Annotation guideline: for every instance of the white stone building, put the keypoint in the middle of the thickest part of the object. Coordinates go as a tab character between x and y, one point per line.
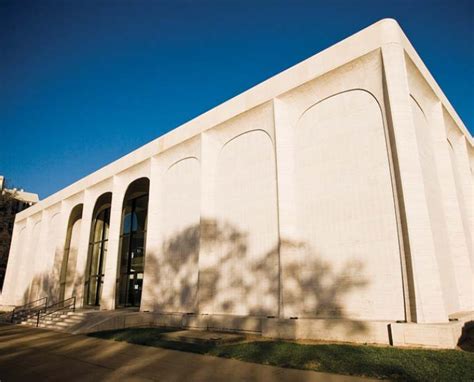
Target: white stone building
339	192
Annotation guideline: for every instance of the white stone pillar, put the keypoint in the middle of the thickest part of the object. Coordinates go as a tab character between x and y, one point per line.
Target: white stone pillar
289	238
39	259
82	254
457	241
418	234
66	208
24	265
150	292
107	300
460	148
209	153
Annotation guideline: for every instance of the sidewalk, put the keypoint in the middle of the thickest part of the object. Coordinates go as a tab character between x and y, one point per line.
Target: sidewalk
30	354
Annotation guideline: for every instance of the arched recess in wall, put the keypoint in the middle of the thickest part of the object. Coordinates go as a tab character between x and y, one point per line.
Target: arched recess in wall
28	251
349	266
132	244
53	259
34	267
71	247
13	271
461	199
177	273
98	243
433	197
243	277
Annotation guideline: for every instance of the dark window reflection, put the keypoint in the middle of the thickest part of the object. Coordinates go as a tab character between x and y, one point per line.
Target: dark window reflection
98	250
132	244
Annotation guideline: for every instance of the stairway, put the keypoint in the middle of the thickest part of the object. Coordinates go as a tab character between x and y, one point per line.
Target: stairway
61	321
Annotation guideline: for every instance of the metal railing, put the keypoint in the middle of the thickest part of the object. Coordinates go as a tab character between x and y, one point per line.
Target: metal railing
29	309
67	304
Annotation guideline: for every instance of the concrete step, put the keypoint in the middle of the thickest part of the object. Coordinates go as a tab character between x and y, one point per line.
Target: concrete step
59	322
51	328
62	320
59	319
71	321
202	337
58	325
29	321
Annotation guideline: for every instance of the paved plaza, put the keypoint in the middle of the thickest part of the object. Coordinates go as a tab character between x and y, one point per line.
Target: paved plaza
30	354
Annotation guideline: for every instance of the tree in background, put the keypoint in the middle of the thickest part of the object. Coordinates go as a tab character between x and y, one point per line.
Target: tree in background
12	201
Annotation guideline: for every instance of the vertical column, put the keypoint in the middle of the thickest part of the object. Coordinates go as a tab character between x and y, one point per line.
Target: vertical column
24	265
151	279
457	242
111	262
289	238
39	259
43	258
52	220
208	224
82	253
66	208
418	234
460	147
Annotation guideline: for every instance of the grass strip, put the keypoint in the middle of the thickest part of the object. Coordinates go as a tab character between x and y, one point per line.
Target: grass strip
361	360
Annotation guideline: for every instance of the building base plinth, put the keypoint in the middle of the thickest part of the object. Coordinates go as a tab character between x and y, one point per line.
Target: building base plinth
442	336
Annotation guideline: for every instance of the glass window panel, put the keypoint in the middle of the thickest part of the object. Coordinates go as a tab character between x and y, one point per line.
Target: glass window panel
97	253
104	256
137	290
141	205
106	223
123	284
137	252
95	258
99	226
137	264
99	291
134	222
131	292
124	254
132	250
92	291
127	219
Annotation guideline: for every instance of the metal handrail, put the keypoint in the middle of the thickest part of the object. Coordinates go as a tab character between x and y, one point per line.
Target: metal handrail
23	310
64	304
22	307
27	313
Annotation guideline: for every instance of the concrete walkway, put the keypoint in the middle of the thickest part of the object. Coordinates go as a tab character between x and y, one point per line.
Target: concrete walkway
30	354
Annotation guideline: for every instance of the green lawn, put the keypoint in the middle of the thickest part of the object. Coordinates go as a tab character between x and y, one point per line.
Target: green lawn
371	361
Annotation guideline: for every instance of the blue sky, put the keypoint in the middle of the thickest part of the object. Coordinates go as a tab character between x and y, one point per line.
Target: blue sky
83	83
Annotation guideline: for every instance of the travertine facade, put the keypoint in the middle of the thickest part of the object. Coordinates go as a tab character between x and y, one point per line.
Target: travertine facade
341	188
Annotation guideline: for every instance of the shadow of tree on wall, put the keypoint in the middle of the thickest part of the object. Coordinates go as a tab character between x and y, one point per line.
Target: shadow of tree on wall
178	286
182	254
223	280
232	282
314	288
47	284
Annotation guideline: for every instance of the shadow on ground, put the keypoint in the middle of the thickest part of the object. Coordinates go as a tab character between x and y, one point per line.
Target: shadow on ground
466	341
370	361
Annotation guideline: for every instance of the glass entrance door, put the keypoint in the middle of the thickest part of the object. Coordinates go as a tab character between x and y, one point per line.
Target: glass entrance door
132	251
97	254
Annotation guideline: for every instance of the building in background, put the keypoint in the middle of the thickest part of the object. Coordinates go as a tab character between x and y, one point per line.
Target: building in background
333	201
12	201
